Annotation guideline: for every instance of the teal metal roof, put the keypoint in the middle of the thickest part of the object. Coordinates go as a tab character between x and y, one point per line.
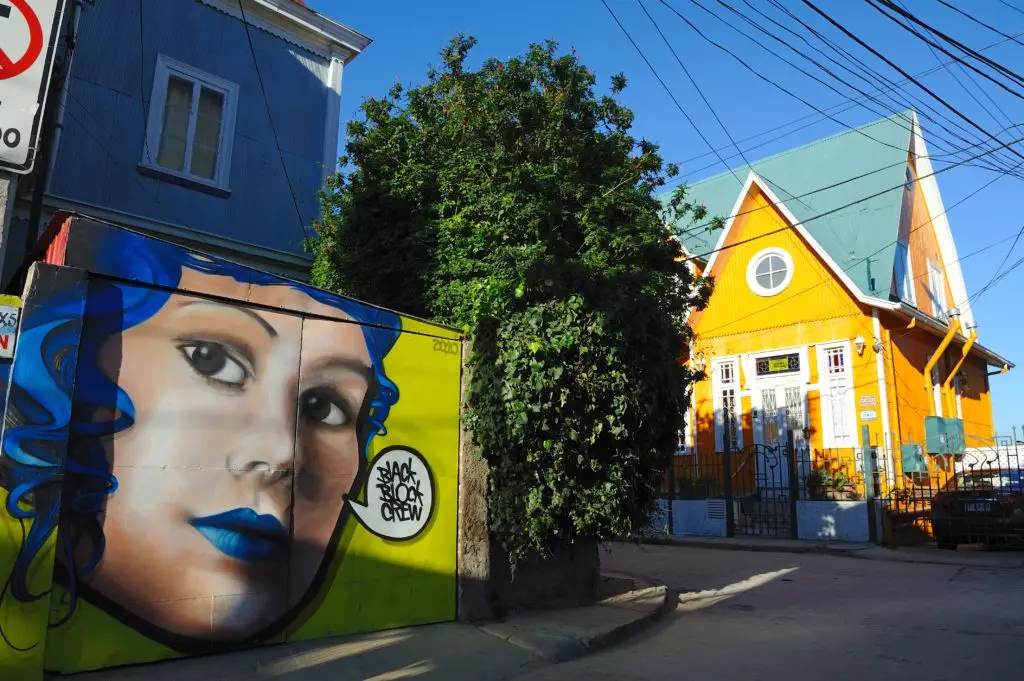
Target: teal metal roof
861	239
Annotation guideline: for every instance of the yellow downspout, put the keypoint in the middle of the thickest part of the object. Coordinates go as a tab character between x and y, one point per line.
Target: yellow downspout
953	329
952	374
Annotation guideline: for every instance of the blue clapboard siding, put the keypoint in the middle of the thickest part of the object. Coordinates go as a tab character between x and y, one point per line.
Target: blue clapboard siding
109	90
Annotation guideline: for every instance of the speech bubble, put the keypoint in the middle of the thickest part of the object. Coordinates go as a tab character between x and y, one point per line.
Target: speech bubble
399	495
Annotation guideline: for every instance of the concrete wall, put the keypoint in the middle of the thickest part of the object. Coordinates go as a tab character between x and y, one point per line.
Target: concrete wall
832	520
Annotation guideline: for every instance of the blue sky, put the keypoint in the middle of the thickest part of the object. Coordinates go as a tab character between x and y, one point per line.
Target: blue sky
408	35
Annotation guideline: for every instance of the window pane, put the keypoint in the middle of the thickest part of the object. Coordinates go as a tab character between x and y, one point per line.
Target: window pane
173	136
770	272
206	144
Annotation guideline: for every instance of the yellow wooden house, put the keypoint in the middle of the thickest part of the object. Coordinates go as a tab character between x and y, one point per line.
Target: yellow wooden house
832	311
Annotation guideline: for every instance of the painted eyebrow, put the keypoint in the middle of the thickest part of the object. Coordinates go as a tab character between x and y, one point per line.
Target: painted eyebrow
350	365
271	331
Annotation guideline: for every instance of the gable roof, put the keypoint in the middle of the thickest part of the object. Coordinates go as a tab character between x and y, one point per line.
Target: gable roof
859	239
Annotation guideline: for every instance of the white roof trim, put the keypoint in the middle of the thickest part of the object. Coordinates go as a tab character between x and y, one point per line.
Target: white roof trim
932	324
297	25
787	214
943	233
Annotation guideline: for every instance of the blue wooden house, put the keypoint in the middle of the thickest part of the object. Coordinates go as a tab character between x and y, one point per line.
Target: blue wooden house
212	123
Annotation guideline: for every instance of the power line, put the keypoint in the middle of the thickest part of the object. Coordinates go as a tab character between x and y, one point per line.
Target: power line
833	210
694	83
863	175
895	66
270	118
667	89
974	19
935	45
1011	74
841	106
760	76
1013	7
968	76
922	105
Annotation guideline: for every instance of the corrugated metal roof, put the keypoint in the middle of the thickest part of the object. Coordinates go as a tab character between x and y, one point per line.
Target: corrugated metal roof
861	238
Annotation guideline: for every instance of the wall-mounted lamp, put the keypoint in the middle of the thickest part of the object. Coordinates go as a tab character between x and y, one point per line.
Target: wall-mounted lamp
859	343
877	346
700	364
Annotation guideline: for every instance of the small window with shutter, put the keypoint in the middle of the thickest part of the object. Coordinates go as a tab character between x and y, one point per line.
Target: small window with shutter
191	124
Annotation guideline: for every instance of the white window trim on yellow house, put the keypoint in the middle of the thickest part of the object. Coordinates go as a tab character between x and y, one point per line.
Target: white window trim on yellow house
717	388
904	274
798	379
937	292
755	262
837	407
930	188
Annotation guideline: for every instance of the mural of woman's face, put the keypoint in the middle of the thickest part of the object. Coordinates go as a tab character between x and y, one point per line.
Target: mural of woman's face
231	481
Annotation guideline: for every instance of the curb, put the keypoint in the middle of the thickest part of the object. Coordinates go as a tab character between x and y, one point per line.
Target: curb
619	634
860	552
563	646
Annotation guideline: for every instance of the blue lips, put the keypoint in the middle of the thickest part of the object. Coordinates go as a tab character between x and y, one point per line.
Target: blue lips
244	534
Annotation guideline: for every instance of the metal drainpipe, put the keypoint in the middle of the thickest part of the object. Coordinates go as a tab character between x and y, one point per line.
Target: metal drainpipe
62	106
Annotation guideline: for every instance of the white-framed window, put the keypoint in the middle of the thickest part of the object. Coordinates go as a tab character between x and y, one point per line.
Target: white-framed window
904	274
191	124
937	291
838	407
725	382
770	271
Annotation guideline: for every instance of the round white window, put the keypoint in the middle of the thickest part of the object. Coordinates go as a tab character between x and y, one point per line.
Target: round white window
770	272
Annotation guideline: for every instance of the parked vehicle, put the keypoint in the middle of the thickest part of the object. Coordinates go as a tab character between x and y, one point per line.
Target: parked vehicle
980	506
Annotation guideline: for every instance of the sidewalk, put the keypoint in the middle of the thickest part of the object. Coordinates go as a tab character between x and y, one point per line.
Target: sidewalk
967	556
493	650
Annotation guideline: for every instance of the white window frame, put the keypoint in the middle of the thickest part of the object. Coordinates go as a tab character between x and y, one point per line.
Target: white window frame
829	438
752	272
937	291
904	274
716	390
165	68
758	383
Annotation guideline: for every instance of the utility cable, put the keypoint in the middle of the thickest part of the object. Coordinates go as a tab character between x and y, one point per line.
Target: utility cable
896	67
270	118
760	76
921	105
841	106
834	210
910	29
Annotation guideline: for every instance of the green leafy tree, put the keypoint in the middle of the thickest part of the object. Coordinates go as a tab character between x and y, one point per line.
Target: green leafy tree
512	201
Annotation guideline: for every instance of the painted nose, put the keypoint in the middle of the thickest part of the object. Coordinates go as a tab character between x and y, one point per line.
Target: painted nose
267	448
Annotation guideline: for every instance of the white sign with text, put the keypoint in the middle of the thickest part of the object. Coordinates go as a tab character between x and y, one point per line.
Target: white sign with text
28	33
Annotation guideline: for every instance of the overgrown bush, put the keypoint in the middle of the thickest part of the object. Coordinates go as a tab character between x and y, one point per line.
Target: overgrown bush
512	202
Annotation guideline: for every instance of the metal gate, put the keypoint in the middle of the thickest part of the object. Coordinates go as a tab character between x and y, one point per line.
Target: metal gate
761	491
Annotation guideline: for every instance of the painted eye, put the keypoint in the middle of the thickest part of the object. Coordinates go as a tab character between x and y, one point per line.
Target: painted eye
213	361
323	407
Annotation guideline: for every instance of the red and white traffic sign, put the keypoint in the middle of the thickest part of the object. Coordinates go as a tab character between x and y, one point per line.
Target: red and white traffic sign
28	34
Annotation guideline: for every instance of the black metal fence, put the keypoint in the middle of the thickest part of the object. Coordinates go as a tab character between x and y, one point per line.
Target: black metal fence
915	498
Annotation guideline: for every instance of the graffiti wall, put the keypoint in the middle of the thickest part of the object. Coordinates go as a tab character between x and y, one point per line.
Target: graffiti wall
198	456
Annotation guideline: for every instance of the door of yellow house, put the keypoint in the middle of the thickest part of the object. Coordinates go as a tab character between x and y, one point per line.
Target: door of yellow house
779	400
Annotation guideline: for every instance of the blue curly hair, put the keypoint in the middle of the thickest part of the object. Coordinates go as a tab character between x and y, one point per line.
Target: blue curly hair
46	490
